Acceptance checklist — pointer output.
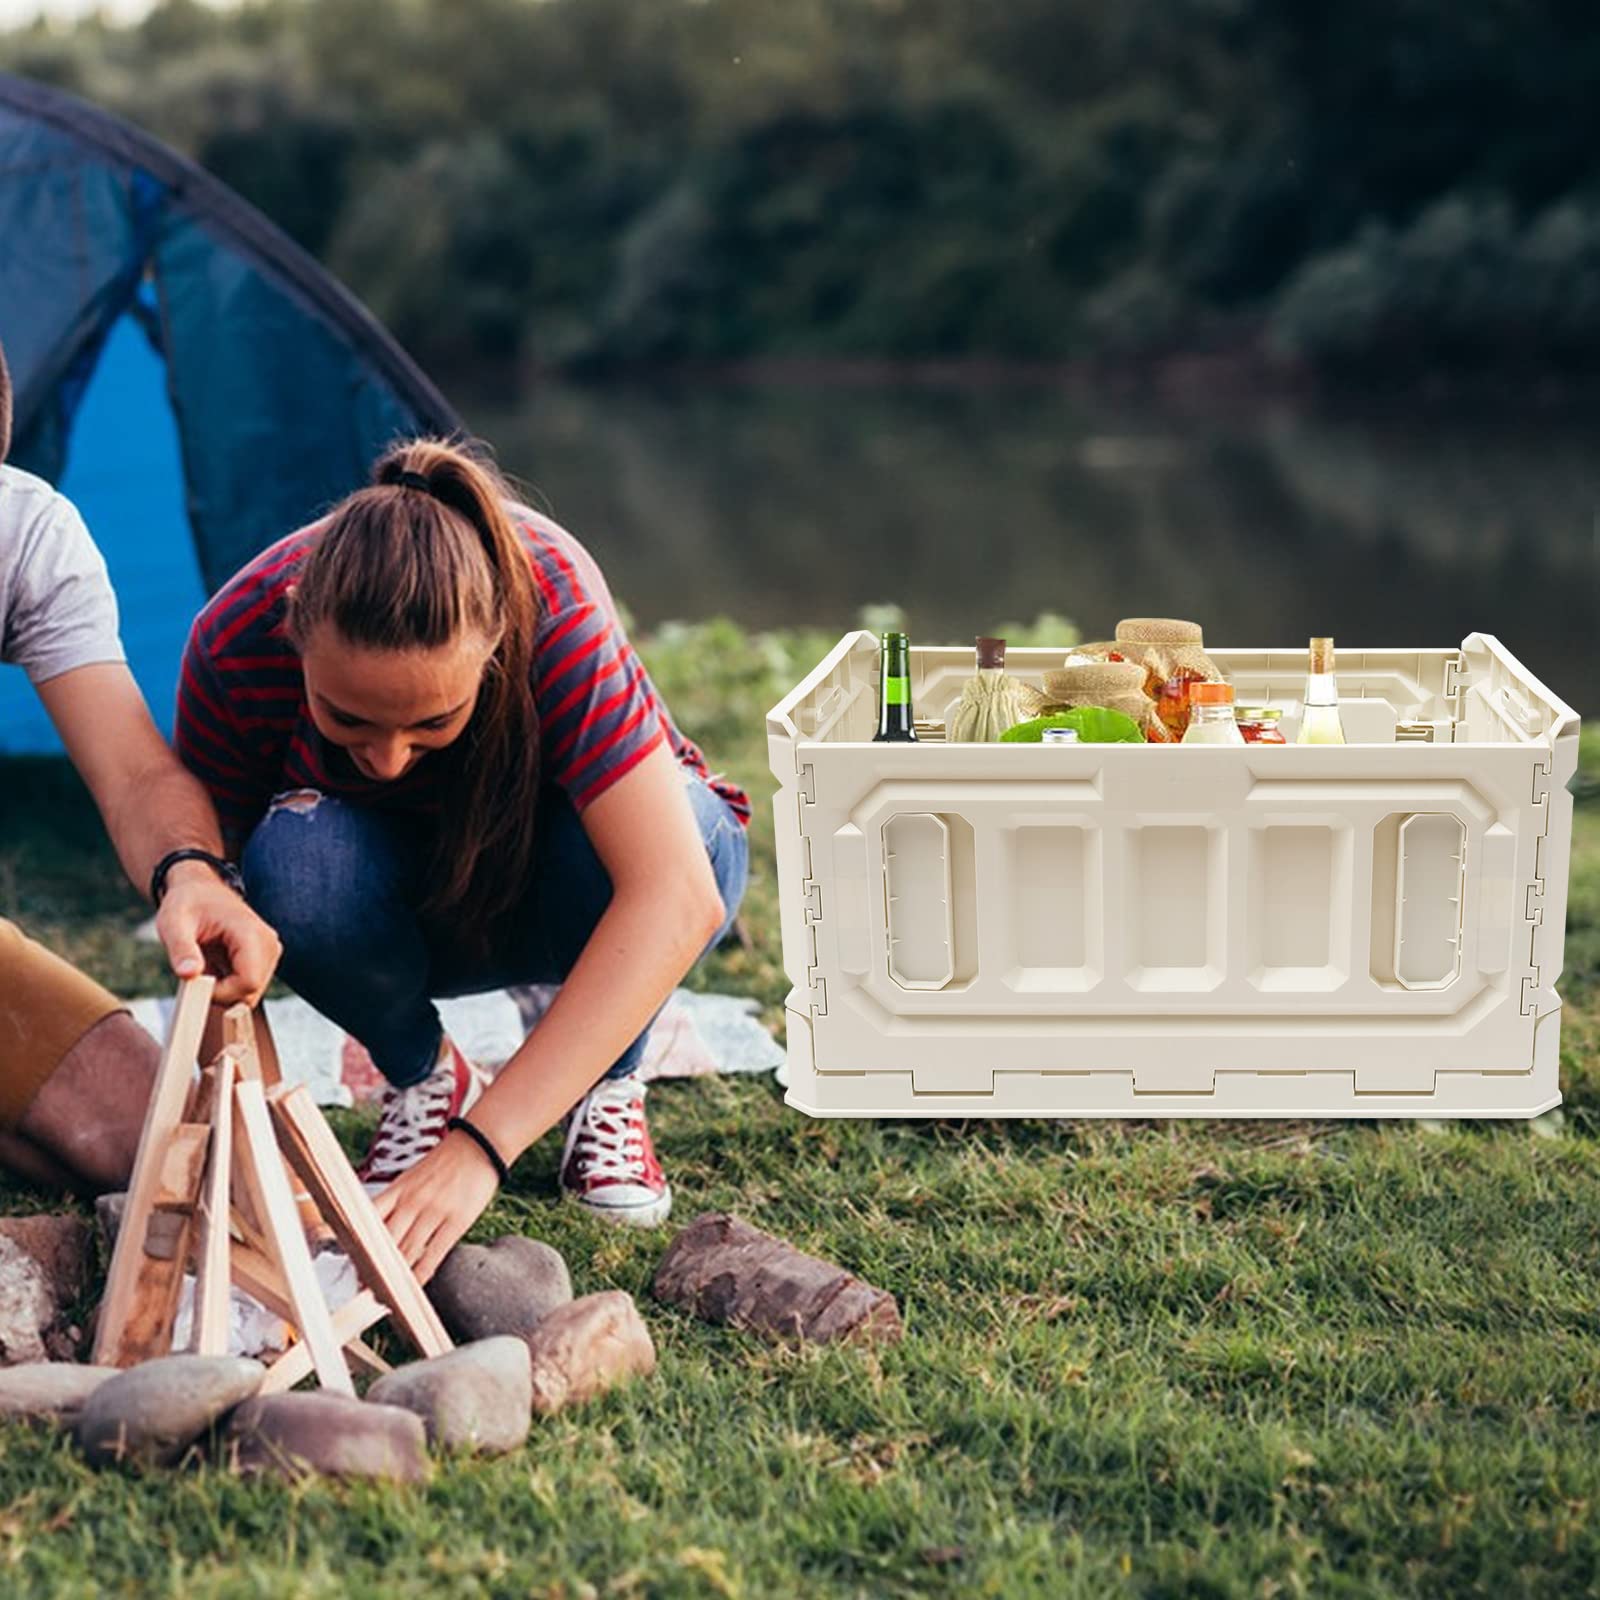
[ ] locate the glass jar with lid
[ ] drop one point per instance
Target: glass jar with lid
(1259, 724)
(1211, 715)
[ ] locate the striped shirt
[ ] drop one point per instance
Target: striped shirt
(244, 728)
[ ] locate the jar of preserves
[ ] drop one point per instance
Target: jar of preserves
(1173, 655)
(1172, 700)
(1259, 724)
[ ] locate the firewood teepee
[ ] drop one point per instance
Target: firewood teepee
(211, 1185)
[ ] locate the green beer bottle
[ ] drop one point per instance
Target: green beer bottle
(894, 706)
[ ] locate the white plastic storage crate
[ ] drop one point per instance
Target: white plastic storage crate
(1372, 929)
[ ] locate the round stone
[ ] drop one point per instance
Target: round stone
(478, 1397)
(154, 1412)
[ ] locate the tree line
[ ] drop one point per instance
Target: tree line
(1379, 191)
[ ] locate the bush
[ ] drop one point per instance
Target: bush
(1464, 287)
(605, 181)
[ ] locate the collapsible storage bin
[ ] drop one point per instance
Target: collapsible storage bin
(1372, 929)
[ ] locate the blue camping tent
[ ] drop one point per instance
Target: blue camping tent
(188, 375)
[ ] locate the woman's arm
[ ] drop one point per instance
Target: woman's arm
(664, 907)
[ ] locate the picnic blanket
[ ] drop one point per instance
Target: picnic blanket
(696, 1035)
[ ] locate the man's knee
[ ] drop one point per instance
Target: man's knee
(89, 1113)
(46, 1007)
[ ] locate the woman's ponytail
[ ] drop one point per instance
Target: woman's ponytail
(424, 555)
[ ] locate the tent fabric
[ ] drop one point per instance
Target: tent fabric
(282, 388)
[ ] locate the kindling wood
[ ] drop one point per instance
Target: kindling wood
(141, 1296)
(234, 1171)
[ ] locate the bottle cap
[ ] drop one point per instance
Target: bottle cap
(1322, 655)
(1059, 736)
(1258, 713)
(991, 652)
(1211, 694)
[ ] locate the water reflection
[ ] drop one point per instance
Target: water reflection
(973, 506)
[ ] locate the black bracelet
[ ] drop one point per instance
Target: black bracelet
(225, 870)
(484, 1143)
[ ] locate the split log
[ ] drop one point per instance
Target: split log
(724, 1270)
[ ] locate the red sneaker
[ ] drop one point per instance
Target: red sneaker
(609, 1165)
(414, 1119)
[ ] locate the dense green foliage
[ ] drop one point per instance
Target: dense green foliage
(1219, 1359)
(1380, 186)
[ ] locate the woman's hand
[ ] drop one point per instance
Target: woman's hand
(201, 916)
(429, 1208)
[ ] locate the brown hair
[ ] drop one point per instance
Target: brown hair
(5, 407)
(403, 567)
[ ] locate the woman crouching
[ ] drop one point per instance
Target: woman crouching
(447, 771)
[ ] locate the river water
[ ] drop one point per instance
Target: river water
(975, 506)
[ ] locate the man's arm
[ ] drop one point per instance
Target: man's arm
(151, 806)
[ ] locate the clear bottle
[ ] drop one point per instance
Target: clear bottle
(1320, 722)
(1211, 715)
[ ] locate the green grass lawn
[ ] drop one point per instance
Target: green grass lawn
(1157, 1359)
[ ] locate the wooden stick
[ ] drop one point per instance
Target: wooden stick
(141, 1296)
(274, 1203)
(350, 1321)
(267, 1050)
(212, 1278)
(246, 1031)
(183, 1165)
(363, 1358)
(260, 1278)
(239, 1036)
(316, 1155)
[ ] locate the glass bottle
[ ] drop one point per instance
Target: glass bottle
(1320, 723)
(1211, 715)
(895, 722)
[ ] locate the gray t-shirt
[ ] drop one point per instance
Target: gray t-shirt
(57, 610)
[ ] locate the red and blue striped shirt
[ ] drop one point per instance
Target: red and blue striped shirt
(244, 729)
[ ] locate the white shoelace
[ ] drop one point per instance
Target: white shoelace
(413, 1120)
(611, 1135)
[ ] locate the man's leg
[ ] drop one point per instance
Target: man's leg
(27, 1161)
(75, 1071)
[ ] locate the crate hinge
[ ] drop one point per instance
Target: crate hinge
(1456, 679)
(810, 892)
(1533, 898)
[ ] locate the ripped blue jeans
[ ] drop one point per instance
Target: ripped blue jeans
(341, 884)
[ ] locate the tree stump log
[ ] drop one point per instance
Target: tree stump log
(724, 1270)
